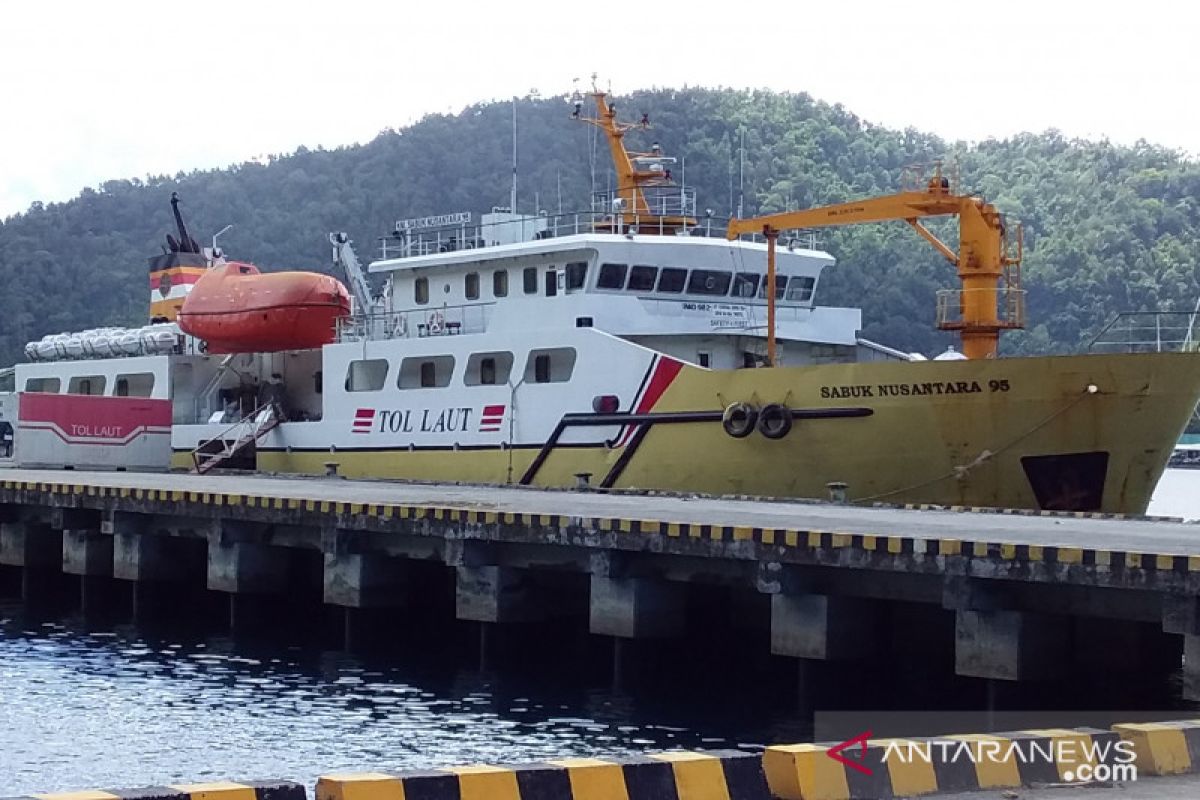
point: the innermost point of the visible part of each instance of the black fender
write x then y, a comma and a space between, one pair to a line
739, 419
775, 421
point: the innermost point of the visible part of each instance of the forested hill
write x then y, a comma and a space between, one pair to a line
1107, 228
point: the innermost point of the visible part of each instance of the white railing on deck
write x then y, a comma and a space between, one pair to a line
416, 323
664, 218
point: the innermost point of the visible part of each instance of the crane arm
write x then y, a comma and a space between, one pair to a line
904, 205
981, 258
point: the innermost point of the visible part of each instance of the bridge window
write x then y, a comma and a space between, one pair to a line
421, 291
366, 375
500, 283
576, 275
425, 372
780, 283
86, 384
471, 285
641, 279
800, 289
672, 280
612, 276
47, 385
530, 279
488, 369
139, 384
553, 365
706, 281
745, 284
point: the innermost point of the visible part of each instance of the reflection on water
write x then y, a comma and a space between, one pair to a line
98, 702
113, 706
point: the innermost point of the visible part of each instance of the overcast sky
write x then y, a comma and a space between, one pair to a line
95, 91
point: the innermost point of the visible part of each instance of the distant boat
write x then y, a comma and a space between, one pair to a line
1185, 456
237, 309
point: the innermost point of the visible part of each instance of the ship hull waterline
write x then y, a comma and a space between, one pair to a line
1084, 433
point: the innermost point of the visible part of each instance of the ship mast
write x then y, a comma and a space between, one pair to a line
642, 201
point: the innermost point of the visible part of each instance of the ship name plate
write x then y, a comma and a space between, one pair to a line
921, 389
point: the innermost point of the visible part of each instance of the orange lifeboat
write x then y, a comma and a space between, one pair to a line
235, 308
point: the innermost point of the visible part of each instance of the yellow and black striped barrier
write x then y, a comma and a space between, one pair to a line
1164, 748
873, 769
712, 775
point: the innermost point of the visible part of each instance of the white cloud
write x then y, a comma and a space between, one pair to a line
99, 91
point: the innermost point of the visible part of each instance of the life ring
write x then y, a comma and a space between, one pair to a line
435, 322
775, 421
739, 419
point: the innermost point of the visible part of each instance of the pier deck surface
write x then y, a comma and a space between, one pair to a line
1132, 535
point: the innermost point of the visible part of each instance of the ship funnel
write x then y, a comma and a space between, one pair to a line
175, 271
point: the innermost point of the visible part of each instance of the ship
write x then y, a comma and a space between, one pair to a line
636, 345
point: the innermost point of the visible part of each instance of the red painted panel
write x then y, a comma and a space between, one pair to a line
86, 419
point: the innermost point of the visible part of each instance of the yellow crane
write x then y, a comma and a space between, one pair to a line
990, 299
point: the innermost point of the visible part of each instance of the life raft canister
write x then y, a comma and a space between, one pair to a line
739, 419
775, 421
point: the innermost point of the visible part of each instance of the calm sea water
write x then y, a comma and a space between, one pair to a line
1177, 494
87, 704
95, 701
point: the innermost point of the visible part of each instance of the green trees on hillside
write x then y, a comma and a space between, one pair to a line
1107, 228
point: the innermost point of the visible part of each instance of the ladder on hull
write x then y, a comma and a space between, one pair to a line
235, 440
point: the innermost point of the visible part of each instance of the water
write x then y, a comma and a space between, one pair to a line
97, 709
94, 705
1177, 494
95, 701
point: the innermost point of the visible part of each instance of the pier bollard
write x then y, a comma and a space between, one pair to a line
331, 469
837, 491
582, 481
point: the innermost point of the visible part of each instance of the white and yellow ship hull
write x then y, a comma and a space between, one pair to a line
1083, 433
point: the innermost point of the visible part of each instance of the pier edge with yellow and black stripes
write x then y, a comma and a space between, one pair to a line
1125, 753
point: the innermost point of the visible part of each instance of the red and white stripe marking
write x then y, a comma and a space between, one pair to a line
364, 420
490, 421
664, 371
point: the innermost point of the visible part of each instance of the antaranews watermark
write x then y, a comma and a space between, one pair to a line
1075, 760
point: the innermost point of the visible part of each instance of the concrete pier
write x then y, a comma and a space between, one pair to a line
87, 552
1010, 645
992, 596
363, 580
246, 567
635, 608
822, 627
30, 544
494, 594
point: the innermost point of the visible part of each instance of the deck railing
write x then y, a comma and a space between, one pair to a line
416, 323
663, 220
1149, 332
